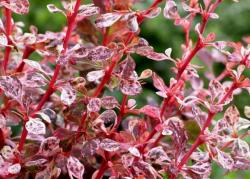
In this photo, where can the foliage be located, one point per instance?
(71, 126)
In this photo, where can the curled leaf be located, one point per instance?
(105, 122)
(75, 168)
(170, 10)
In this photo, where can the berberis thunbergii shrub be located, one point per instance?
(70, 125)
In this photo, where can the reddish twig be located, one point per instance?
(71, 22)
(110, 70)
(27, 52)
(50, 90)
(209, 119)
(8, 29)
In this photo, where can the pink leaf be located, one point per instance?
(159, 83)
(75, 168)
(3, 40)
(158, 155)
(34, 126)
(109, 145)
(49, 146)
(151, 111)
(95, 75)
(133, 24)
(170, 10)
(11, 86)
(109, 102)
(153, 13)
(94, 105)
(224, 159)
(240, 148)
(130, 87)
(14, 169)
(232, 115)
(53, 9)
(126, 67)
(90, 147)
(17, 6)
(88, 10)
(200, 156)
(68, 95)
(156, 56)
(107, 20)
(105, 122)
(201, 168)
(100, 53)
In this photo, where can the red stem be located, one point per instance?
(122, 111)
(24, 134)
(105, 40)
(199, 140)
(27, 52)
(50, 90)
(189, 58)
(102, 169)
(84, 117)
(197, 47)
(8, 28)
(108, 74)
(71, 23)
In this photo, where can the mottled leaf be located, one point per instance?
(88, 10)
(90, 147)
(68, 95)
(151, 111)
(109, 145)
(134, 151)
(94, 105)
(11, 86)
(133, 24)
(49, 146)
(109, 102)
(34, 126)
(75, 168)
(14, 169)
(240, 148)
(225, 160)
(95, 75)
(130, 87)
(201, 168)
(156, 56)
(158, 155)
(153, 13)
(100, 53)
(3, 40)
(144, 168)
(17, 6)
(126, 67)
(53, 9)
(159, 83)
(108, 19)
(105, 122)
(170, 10)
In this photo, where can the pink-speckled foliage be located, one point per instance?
(70, 127)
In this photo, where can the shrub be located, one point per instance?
(69, 126)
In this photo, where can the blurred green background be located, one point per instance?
(233, 24)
